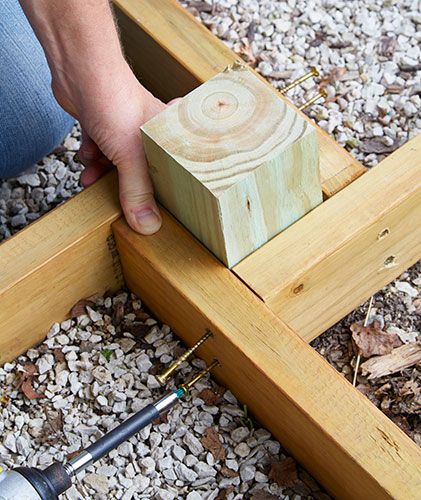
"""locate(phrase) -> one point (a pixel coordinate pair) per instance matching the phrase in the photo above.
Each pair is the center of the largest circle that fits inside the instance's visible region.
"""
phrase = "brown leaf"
(399, 359)
(211, 397)
(161, 419)
(246, 51)
(80, 308)
(283, 472)
(394, 89)
(227, 472)
(73, 454)
(29, 391)
(223, 494)
(139, 329)
(141, 315)
(24, 381)
(213, 444)
(372, 340)
(377, 146)
(335, 75)
(410, 387)
(58, 355)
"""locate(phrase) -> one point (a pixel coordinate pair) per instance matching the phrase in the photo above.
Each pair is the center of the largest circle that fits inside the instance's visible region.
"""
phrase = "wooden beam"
(171, 53)
(338, 255)
(233, 163)
(353, 449)
(47, 267)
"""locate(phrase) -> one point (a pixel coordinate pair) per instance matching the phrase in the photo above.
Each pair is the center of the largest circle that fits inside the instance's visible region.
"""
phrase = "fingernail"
(148, 220)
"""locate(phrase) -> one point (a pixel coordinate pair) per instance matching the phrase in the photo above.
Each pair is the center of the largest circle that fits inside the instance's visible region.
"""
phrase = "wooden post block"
(233, 163)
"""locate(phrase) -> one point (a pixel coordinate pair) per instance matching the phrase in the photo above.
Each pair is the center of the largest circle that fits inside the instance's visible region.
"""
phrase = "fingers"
(96, 164)
(136, 194)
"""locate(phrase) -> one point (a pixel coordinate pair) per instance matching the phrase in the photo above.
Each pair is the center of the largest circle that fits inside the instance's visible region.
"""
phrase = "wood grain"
(233, 163)
(335, 432)
(47, 267)
(171, 53)
(345, 250)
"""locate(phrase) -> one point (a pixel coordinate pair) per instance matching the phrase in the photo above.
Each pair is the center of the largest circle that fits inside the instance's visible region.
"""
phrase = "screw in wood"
(163, 377)
(312, 73)
(315, 98)
(188, 385)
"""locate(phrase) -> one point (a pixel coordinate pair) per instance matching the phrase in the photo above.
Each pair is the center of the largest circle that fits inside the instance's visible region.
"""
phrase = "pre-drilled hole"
(390, 261)
(383, 234)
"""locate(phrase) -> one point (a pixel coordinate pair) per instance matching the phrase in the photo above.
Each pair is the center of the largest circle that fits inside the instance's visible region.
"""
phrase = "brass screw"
(187, 386)
(312, 73)
(315, 98)
(163, 377)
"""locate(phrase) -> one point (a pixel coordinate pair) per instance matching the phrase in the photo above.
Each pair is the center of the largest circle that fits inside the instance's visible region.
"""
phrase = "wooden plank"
(337, 256)
(233, 163)
(334, 431)
(47, 267)
(171, 53)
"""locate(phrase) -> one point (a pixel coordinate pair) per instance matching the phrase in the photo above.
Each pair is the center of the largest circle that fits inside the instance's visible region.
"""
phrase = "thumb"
(136, 193)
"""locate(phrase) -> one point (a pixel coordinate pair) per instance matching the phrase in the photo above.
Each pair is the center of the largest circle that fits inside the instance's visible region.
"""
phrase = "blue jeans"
(32, 124)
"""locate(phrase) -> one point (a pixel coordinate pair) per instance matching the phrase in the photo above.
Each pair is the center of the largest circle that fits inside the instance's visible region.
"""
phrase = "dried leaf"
(372, 340)
(283, 472)
(246, 51)
(73, 454)
(141, 315)
(58, 355)
(161, 419)
(139, 329)
(24, 381)
(79, 308)
(223, 494)
(29, 391)
(394, 89)
(410, 387)
(211, 397)
(213, 444)
(399, 359)
(227, 472)
(335, 75)
(377, 146)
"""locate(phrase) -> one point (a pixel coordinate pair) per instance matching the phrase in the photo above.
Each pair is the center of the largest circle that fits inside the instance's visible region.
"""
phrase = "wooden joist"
(339, 436)
(50, 265)
(171, 53)
(338, 255)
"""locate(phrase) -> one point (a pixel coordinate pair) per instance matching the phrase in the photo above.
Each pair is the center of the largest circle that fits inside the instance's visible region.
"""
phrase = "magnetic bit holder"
(171, 369)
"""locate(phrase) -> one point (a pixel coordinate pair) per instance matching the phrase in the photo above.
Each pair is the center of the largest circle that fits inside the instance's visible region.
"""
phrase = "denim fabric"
(32, 124)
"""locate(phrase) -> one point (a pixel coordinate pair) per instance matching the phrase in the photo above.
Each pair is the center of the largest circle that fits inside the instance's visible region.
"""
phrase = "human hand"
(110, 116)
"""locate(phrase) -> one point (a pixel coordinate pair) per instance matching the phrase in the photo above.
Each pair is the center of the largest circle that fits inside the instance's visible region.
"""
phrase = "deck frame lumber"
(344, 441)
(172, 53)
(344, 250)
(353, 449)
(50, 265)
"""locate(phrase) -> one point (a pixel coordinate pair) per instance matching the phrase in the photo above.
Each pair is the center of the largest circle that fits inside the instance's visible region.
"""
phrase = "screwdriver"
(30, 483)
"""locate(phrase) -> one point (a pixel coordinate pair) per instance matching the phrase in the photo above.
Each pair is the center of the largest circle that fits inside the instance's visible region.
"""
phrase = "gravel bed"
(368, 54)
(92, 372)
